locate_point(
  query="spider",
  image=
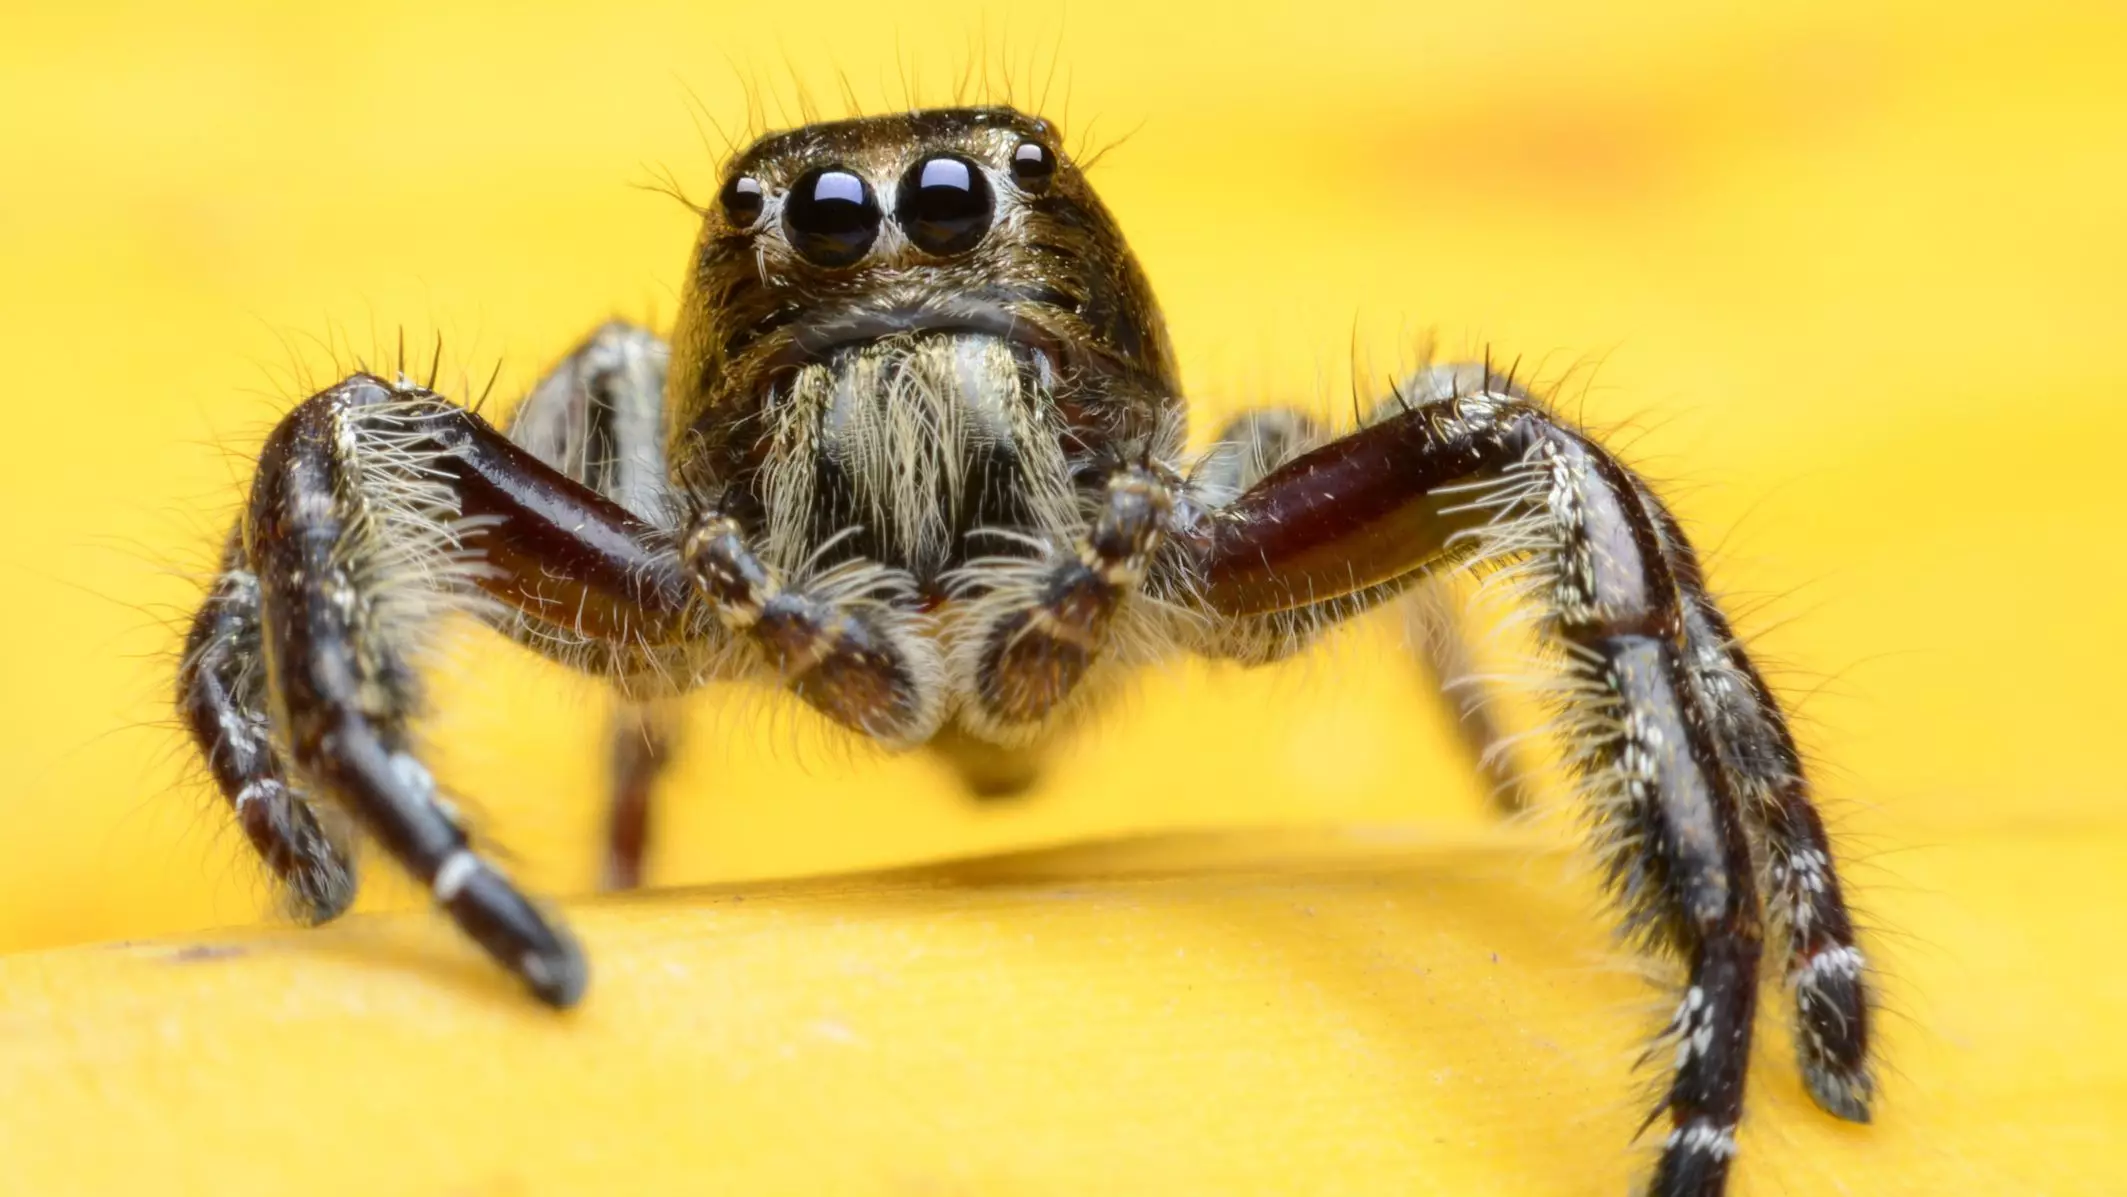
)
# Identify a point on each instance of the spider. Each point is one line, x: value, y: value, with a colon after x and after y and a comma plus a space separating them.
x: 914, y: 450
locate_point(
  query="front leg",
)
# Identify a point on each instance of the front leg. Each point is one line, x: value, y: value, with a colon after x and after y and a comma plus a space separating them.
x: 1256, y: 442
x: 1492, y: 480
x: 846, y: 641
x: 1036, y: 626
x: 376, y: 509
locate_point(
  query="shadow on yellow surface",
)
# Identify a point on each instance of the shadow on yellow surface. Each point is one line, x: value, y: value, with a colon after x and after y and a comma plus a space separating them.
x: 1847, y: 278
x: 1244, y: 1013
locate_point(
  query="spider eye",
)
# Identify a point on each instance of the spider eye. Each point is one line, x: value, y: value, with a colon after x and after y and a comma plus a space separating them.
x: 742, y: 199
x: 831, y: 216
x: 1033, y: 167
x: 944, y: 204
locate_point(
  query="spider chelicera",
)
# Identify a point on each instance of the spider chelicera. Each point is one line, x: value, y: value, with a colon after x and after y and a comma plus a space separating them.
x: 915, y: 451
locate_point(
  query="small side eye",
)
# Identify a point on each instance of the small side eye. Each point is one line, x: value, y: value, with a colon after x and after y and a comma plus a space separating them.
x: 831, y: 216
x: 741, y: 198
x: 1033, y: 167
x: 944, y: 204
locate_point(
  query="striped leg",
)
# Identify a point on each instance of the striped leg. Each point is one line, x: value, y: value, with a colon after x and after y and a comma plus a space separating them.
x: 1041, y: 623
x: 320, y: 533
x: 846, y: 641
x: 1491, y: 479
x: 221, y: 694
x: 1825, y: 967
x: 376, y: 509
x: 1666, y: 810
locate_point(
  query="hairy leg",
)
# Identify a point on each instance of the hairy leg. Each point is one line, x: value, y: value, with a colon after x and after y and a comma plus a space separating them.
x: 599, y: 418
x: 1039, y: 624
x: 221, y: 693
x: 1824, y: 965
x: 1257, y: 442
x: 377, y: 509
x: 847, y: 641
x: 1491, y: 479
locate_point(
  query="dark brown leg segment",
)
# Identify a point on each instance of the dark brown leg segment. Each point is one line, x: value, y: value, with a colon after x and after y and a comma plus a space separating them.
x: 1492, y: 480
x: 1257, y: 442
x: 643, y: 738
x: 598, y: 417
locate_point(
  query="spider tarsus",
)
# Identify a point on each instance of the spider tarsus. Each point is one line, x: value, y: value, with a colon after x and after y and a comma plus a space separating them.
x: 514, y: 931
x: 321, y: 876
x: 1831, y: 1033
x: 1695, y: 1161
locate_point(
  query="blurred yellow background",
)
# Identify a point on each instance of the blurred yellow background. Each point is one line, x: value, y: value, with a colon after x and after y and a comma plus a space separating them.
x: 1848, y: 279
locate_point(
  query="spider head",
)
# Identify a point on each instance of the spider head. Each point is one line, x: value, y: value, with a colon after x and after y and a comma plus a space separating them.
x: 962, y: 222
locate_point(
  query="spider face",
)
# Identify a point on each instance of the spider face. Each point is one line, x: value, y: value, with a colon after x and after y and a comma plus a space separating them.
x: 904, y: 304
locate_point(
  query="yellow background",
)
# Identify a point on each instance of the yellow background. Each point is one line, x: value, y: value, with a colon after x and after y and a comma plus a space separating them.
x: 1849, y: 280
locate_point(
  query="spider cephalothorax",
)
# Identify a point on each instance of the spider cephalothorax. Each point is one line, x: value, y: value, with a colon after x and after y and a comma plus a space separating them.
x: 908, y: 328
x: 915, y: 451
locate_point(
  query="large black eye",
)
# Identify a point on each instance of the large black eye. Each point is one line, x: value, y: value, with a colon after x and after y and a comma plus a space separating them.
x: 831, y: 216
x: 944, y: 204
x: 1033, y: 166
x: 741, y: 198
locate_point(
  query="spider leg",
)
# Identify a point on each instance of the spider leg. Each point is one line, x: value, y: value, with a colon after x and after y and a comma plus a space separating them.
x: 989, y: 772
x: 599, y: 418
x: 221, y: 694
x: 1257, y: 442
x: 375, y: 510
x: 1434, y: 617
x: 1440, y: 644
x: 1039, y: 624
x: 1493, y: 480
x: 848, y: 642
x: 1832, y: 1004
x: 642, y: 737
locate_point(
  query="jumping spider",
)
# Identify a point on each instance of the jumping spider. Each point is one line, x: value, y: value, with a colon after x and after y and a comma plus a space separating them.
x: 915, y: 449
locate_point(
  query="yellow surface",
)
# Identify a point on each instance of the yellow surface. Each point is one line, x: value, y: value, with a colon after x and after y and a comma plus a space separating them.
x: 1368, y: 1012
x: 1849, y: 279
